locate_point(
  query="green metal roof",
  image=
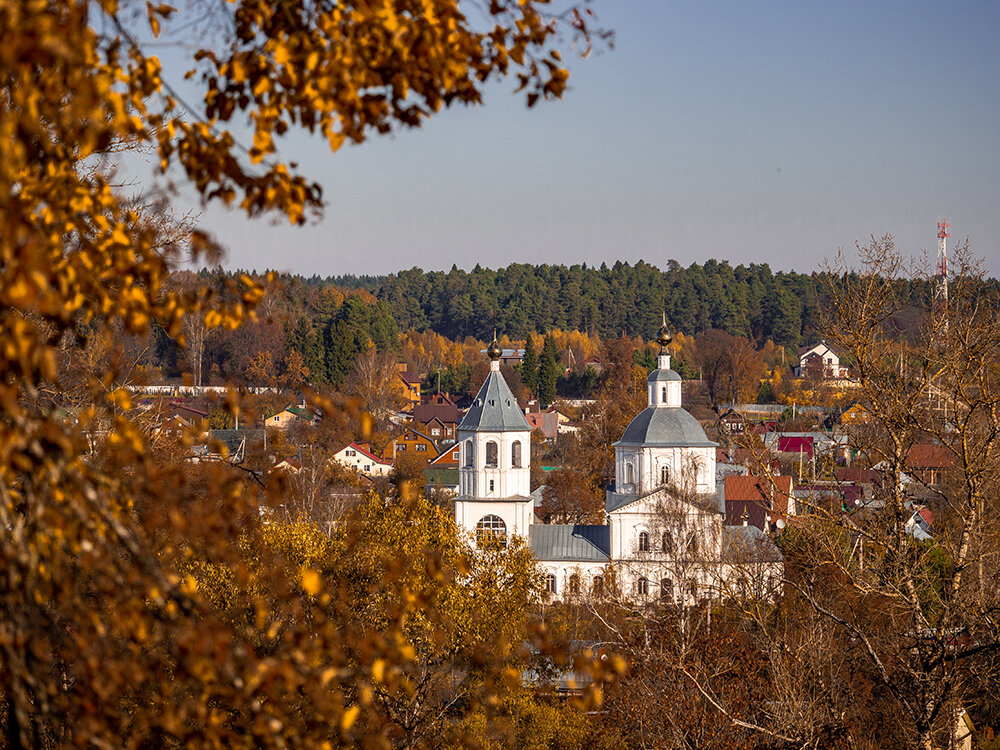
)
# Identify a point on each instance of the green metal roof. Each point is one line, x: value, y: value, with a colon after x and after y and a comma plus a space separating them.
x: 570, y: 542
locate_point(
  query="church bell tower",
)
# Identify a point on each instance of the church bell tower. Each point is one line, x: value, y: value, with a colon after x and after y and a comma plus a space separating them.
x: 494, y: 476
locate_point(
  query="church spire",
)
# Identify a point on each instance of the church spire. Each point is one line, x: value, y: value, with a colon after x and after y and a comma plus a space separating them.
x: 664, y: 384
x: 663, y: 338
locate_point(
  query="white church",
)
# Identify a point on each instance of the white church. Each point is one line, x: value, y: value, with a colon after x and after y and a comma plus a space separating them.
x: 663, y: 536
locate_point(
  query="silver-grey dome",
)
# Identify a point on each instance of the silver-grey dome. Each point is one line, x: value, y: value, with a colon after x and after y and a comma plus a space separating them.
x: 657, y: 376
x: 665, y: 427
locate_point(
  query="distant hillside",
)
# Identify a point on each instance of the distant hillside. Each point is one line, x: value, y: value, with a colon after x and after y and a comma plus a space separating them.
x: 745, y: 300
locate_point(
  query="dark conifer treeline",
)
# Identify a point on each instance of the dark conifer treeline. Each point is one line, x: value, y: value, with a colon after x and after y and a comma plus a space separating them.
x: 745, y: 300
x: 328, y: 322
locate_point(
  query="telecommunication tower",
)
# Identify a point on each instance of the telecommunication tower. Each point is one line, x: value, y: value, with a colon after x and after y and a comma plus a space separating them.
x: 941, y: 277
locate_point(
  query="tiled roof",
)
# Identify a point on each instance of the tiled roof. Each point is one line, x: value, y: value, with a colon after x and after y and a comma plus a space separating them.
x: 930, y: 456
x: 745, y: 489
x: 443, y: 412
x: 570, y: 542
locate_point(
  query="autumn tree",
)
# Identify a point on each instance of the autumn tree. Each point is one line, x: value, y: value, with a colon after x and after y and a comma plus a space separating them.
x: 107, y: 638
x: 569, y: 498
x: 731, y: 367
x: 871, y: 613
x: 374, y: 380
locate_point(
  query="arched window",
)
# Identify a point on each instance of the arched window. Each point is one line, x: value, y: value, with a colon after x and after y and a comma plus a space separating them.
x: 644, y: 541
x: 693, y: 545
x: 550, y: 583
x: 693, y: 591
x: 491, y: 528
x: 666, y: 589
x: 598, y: 587
x: 469, y: 453
x: 664, y: 475
x: 668, y: 542
x: 663, y: 395
x: 492, y: 455
x: 642, y: 586
x: 515, y: 454
x: 574, y: 584
x: 629, y: 473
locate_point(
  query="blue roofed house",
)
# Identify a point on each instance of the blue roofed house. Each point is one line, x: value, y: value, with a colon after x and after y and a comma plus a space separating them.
x: 664, y: 536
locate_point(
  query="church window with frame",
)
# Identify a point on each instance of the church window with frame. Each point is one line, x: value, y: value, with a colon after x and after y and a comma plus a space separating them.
x: 629, y: 473
x: 642, y: 586
x: 644, y: 541
x: 491, y: 528
x: 666, y: 589
x: 550, y: 583
x: 515, y: 455
x: 469, y: 454
x: 574, y: 584
x: 693, y: 545
x: 667, y: 542
x: 492, y: 454
x: 664, y: 475
x: 598, y: 587
x: 663, y: 395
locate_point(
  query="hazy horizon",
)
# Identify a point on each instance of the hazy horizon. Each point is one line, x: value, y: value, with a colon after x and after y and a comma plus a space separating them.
x: 775, y: 133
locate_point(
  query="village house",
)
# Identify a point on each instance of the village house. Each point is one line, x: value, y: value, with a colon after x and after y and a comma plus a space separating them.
x: 508, y: 356
x: 437, y: 416
x: 855, y: 414
x: 545, y: 422
x: 819, y: 361
x: 732, y: 422
x: 411, y: 442
x: 758, y: 501
x: 929, y: 463
x: 362, y: 460
x: 410, y: 384
x: 448, y: 458
x: 290, y: 414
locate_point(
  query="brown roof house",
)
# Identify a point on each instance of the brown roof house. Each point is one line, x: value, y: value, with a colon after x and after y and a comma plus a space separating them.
x: 411, y: 442
x: 758, y: 501
x: 411, y: 385
x: 437, y: 416
x: 930, y: 463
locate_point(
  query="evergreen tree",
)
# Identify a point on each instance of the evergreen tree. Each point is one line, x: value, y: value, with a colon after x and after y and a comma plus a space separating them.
x: 548, y: 372
x: 529, y: 366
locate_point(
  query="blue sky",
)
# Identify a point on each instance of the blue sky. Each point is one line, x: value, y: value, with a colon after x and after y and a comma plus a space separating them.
x: 765, y: 131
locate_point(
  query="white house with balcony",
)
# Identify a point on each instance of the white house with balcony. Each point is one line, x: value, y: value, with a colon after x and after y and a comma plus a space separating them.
x: 819, y: 360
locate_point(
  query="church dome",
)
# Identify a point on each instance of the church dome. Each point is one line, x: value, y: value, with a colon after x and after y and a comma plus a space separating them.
x: 669, y: 428
x: 657, y: 376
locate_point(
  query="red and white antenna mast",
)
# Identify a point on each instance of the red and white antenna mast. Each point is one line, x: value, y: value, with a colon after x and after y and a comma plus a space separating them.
x: 941, y: 275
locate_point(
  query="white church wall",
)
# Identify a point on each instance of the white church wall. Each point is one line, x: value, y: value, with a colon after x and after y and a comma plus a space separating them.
x: 517, y: 516
x: 507, y: 480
